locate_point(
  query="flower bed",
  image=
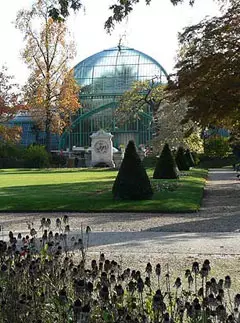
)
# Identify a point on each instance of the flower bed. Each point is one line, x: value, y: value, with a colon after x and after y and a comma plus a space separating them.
x: 45, y: 277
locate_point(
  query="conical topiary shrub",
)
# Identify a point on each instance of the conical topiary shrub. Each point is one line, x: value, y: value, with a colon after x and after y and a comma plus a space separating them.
x: 166, y: 166
x: 189, y: 158
x: 181, y: 159
x: 132, y: 182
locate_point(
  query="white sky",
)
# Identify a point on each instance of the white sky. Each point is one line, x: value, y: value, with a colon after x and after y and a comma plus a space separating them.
x: 151, y: 29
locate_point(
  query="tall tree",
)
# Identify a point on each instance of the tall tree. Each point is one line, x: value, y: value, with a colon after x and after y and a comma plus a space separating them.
x: 51, y: 91
x: 208, y: 70
x: 168, y: 122
x: 143, y: 96
x: 9, y: 106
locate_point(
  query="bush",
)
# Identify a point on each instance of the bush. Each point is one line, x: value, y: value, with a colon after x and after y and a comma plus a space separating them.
x: 11, y: 162
x: 189, y: 157
x: 196, y: 158
x: 45, y: 278
x: 181, y: 159
x: 216, y: 162
x: 58, y: 160
x: 150, y: 161
x: 217, y: 146
x: 166, y: 166
x: 132, y: 182
x: 36, y: 156
x: 10, y: 150
x: 11, y: 156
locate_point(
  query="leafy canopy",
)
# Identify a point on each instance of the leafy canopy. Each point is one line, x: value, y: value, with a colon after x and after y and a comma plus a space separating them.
x: 208, y: 70
x: 168, y: 122
x: 120, y: 9
x: 51, y: 90
x: 9, y: 106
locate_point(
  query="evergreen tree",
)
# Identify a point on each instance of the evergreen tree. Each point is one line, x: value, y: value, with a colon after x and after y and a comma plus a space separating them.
x: 181, y: 159
x: 189, y: 158
x: 132, y: 182
x: 166, y: 166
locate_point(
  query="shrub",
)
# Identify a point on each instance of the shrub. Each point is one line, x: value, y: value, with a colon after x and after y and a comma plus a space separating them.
x: 36, y: 156
x: 181, y: 159
x: 189, y: 157
x: 10, y: 150
x: 11, y: 162
x: 132, y: 182
x: 11, y: 156
x: 58, y: 160
x: 150, y: 161
x: 216, y: 162
x: 166, y: 166
x: 217, y: 146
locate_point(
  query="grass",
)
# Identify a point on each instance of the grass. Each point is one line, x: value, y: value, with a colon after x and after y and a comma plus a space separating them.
x: 90, y: 190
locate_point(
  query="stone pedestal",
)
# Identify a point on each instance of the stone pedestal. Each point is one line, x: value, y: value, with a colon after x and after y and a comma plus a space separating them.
x: 102, y: 149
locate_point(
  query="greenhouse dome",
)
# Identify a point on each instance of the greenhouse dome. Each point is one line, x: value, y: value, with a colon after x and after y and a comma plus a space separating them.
x: 103, y: 78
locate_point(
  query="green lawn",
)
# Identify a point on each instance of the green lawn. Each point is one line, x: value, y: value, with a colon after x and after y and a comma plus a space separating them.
x: 90, y: 190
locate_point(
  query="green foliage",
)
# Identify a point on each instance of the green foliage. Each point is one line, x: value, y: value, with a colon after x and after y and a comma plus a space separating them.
x: 132, y: 182
x: 36, y: 156
x: 196, y: 158
x: 58, y: 160
x: 149, y: 161
x: 217, y: 146
x: 165, y: 167
x: 8, y: 149
x: 208, y: 69
x: 216, y: 162
x: 181, y: 159
x: 189, y: 157
x: 122, y: 8
x: 11, y: 155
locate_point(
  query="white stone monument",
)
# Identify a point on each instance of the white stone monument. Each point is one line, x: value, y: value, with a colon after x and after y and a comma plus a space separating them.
x: 102, y: 148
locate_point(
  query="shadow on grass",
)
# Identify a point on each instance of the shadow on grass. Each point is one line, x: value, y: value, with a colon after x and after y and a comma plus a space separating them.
x: 54, y: 170
x: 91, y: 196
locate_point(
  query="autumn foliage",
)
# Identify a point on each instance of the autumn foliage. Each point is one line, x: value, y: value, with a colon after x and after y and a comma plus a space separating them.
x: 9, y: 106
x: 51, y: 90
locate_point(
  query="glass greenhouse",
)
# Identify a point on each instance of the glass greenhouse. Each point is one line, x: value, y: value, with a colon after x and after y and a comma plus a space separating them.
x: 103, y: 78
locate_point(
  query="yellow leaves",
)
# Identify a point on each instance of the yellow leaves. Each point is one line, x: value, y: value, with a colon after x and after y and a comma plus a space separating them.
x: 10, y: 133
x: 69, y: 93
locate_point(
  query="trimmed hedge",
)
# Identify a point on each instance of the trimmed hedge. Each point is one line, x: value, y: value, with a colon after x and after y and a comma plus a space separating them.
x: 166, y: 166
x: 132, y: 182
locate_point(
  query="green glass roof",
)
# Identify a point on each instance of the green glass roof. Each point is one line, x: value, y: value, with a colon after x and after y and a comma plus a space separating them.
x: 113, y: 70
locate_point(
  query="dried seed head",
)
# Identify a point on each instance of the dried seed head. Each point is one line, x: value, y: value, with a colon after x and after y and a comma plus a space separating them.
x: 65, y: 219
x: 48, y: 222
x: 237, y: 300
x: 149, y: 268
x: 67, y: 228
x: 58, y: 223
x: 102, y: 257
x: 140, y: 285
x: 195, y: 267
x: 178, y: 282
x: 227, y: 282
x: 187, y: 273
